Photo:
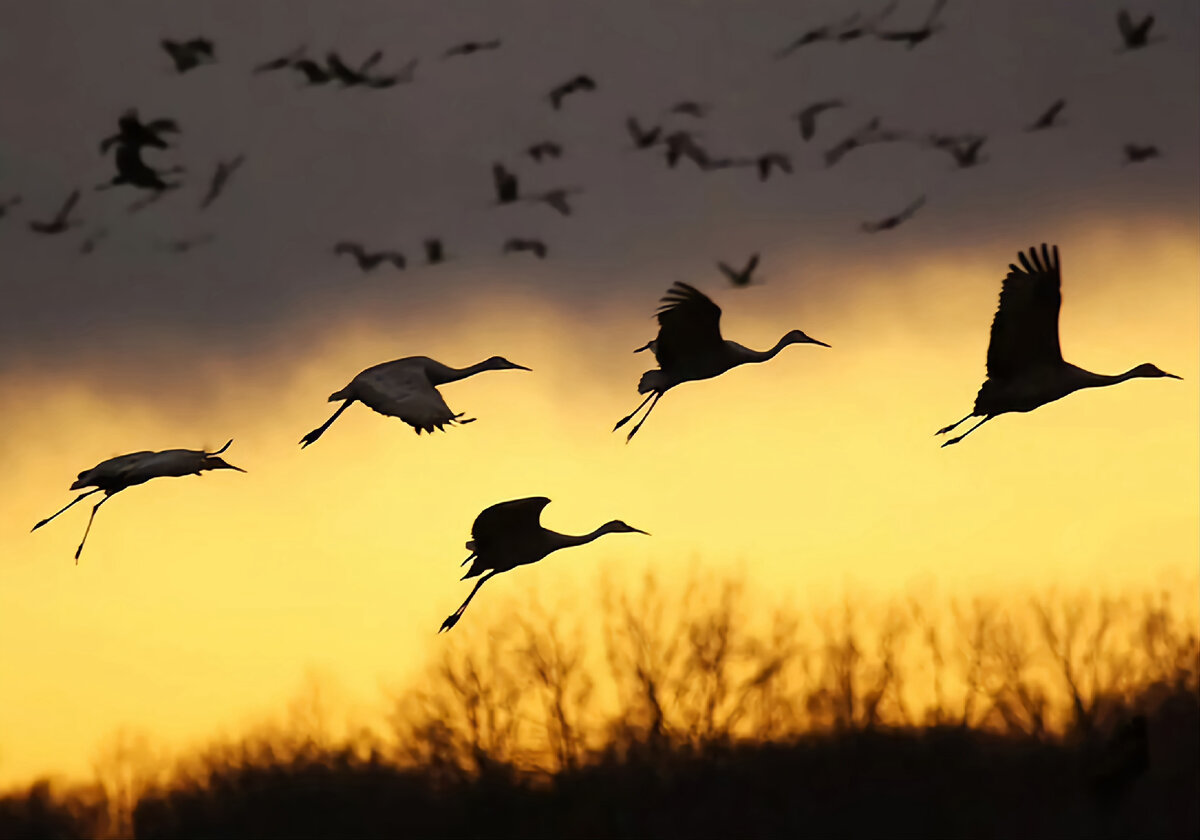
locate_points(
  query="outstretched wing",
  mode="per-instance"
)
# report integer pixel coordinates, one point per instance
(689, 326)
(1025, 329)
(1125, 23)
(502, 522)
(401, 389)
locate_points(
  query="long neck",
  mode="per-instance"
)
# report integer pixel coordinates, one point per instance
(439, 373)
(1087, 379)
(746, 355)
(558, 540)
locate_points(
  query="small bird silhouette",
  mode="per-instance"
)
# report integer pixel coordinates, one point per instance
(407, 389)
(1025, 367)
(471, 47)
(62, 220)
(1136, 153)
(690, 347)
(690, 108)
(132, 170)
(807, 116)
(544, 149)
(919, 35)
(313, 71)
(534, 246)
(132, 131)
(190, 54)
(369, 260)
(510, 534)
(765, 163)
(284, 61)
(895, 221)
(740, 279)
(1135, 35)
(507, 186)
(812, 36)
(966, 153)
(435, 252)
(557, 198)
(643, 138)
(221, 176)
(559, 93)
(124, 471)
(1049, 117)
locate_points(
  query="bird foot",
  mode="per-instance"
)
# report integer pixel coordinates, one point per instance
(307, 439)
(449, 622)
(952, 440)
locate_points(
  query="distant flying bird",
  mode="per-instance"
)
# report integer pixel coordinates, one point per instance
(1135, 153)
(471, 47)
(689, 347)
(857, 27)
(1025, 367)
(116, 474)
(922, 33)
(545, 149)
(369, 260)
(132, 131)
(765, 163)
(221, 176)
(190, 54)
(510, 534)
(348, 76)
(435, 252)
(62, 220)
(135, 172)
(868, 134)
(807, 116)
(313, 71)
(557, 198)
(284, 61)
(812, 36)
(741, 278)
(643, 138)
(534, 246)
(895, 221)
(966, 153)
(506, 183)
(183, 245)
(9, 203)
(1135, 35)
(1049, 117)
(575, 84)
(682, 144)
(407, 389)
(688, 108)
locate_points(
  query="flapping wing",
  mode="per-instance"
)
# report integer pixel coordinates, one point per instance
(1025, 329)
(1125, 24)
(689, 326)
(69, 205)
(401, 389)
(499, 523)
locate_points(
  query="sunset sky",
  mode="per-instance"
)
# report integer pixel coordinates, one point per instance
(201, 602)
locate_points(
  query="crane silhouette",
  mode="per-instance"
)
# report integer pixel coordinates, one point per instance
(116, 474)
(1049, 117)
(1025, 367)
(689, 347)
(739, 278)
(407, 388)
(807, 116)
(1135, 35)
(190, 54)
(510, 534)
(131, 130)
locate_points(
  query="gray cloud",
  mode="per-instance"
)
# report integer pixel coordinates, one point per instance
(389, 167)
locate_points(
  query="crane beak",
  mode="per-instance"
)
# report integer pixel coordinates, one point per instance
(1171, 375)
(222, 464)
(516, 366)
(814, 341)
(639, 531)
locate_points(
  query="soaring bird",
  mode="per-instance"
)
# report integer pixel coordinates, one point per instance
(221, 176)
(349, 76)
(920, 34)
(510, 534)
(284, 61)
(517, 244)
(369, 260)
(544, 149)
(683, 144)
(1049, 117)
(643, 138)
(690, 108)
(1025, 367)
(435, 251)
(557, 198)
(772, 160)
(1137, 153)
(135, 172)
(739, 279)
(62, 220)
(472, 47)
(895, 220)
(689, 346)
(1135, 35)
(812, 36)
(313, 71)
(868, 134)
(807, 116)
(966, 154)
(132, 131)
(115, 474)
(573, 85)
(190, 54)
(407, 388)
(508, 188)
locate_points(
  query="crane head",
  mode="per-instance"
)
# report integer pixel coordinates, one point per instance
(1151, 371)
(799, 337)
(501, 363)
(619, 527)
(212, 462)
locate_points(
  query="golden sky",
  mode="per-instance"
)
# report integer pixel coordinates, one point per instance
(201, 602)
